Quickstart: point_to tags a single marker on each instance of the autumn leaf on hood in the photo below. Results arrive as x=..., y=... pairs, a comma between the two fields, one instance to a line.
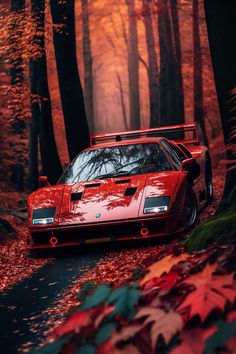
x=211, y=292
x=164, y=323
x=163, y=266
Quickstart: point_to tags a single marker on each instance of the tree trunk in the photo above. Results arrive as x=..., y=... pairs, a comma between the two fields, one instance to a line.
x=220, y=19
x=16, y=69
x=33, y=134
x=153, y=75
x=168, y=94
x=76, y=126
x=178, y=59
x=88, y=66
x=16, y=64
x=197, y=73
x=122, y=101
x=133, y=67
x=49, y=155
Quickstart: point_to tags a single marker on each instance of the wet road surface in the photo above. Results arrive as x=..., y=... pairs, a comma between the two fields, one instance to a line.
x=23, y=304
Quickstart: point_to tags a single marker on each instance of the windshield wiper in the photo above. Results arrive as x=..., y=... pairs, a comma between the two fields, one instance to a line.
x=113, y=174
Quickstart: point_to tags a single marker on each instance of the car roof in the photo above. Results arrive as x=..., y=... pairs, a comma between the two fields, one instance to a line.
x=124, y=142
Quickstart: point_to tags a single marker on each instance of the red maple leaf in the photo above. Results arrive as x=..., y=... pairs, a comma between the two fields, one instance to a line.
x=164, y=283
x=211, y=292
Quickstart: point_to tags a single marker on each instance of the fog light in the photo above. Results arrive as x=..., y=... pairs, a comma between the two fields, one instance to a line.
x=53, y=241
x=144, y=231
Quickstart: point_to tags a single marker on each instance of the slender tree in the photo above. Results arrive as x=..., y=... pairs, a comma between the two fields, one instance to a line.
x=153, y=75
x=133, y=66
x=88, y=66
x=168, y=92
x=76, y=126
x=122, y=100
x=197, y=73
x=178, y=61
x=220, y=19
x=33, y=133
x=49, y=156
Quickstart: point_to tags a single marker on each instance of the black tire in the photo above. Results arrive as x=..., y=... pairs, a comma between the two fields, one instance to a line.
x=190, y=211
x=208, y=180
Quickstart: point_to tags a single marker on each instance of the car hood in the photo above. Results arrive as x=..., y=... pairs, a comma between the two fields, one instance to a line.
x=113, y=198
x=103, y=200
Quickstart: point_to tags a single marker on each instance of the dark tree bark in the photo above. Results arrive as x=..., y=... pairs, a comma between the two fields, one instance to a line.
x=221, y=26
x=88, y=66
x=153, y=75
x=76, y=126
x=33, y=133
x=16, y=69
x=16, y=63
x=133, y=67
x=197, y=73
x=178, y=60
x=168, y=93
x=49, y=155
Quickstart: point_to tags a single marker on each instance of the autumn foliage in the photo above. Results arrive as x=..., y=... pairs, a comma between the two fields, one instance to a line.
x=185, y=303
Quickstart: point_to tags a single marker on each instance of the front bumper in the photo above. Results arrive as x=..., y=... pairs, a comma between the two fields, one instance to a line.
x=129, y=229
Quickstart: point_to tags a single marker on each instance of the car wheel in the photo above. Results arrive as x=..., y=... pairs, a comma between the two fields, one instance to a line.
x=208, y=180
x=190, y=207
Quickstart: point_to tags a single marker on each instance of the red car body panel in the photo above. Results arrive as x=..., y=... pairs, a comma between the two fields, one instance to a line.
x=104, y=210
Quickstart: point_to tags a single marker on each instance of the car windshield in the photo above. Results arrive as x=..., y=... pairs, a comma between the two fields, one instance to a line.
x=124, y=160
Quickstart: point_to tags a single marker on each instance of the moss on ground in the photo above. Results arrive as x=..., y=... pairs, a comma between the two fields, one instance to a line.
x=222, y=228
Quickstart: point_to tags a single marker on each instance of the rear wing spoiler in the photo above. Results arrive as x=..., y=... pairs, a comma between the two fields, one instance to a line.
x=182, y=133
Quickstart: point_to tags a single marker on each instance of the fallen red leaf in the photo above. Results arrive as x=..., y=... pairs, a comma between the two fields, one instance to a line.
x=163, y=266
x=211, y=292
x=77, y=321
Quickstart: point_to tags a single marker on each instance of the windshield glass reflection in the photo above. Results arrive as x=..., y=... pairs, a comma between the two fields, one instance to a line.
x=125, y=160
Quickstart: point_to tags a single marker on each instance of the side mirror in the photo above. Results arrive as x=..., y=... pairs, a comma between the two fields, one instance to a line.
x=192, y=167
x=44, y=180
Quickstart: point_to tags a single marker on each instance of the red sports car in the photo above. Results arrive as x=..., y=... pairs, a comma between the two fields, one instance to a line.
x=130, y=185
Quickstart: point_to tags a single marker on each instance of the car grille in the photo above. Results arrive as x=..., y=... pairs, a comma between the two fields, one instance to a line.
x=116, y=231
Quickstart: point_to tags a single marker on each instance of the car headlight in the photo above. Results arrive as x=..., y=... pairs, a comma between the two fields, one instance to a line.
x=156, y=204
x=43, y=216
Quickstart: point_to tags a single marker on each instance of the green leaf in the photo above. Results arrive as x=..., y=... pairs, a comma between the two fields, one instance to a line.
x=124, y=299
x=105, y=333
x=218, y=339
x=86, y=288
x=86, y=349
x=100, y=295
x=51, y=348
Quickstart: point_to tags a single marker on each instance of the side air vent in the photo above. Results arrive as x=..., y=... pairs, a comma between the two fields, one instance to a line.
x=92, y=185
x=122, y=181
x=76, y=196
x=130, y=191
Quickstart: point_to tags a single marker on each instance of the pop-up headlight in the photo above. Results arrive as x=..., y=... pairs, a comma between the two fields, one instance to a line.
x=43, y=216
x=156, y=205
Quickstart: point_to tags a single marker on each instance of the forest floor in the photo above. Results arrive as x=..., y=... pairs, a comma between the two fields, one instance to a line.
x=14, y=261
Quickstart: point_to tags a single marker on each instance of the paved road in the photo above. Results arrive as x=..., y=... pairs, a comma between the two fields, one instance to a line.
x=22, y=306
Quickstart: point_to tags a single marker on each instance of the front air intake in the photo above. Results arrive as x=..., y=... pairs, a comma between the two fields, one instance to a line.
x=76, y=196
x=130, y=191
